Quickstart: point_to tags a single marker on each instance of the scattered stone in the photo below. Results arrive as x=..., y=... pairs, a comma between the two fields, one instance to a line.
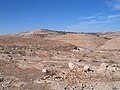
x=39, y=81
x=112, y=69
x=19, y=84
x=46, y=77
x=62, y=61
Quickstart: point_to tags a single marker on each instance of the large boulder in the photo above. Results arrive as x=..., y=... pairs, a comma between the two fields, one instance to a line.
x=71, y=65
x=103, y=67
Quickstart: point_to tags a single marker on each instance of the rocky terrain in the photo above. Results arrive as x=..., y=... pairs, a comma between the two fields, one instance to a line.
x=54, y=60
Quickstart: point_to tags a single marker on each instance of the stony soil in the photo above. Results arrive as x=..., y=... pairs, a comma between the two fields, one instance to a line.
x=52, y=60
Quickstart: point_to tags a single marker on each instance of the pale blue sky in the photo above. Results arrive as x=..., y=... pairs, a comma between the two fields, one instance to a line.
x=66, y=15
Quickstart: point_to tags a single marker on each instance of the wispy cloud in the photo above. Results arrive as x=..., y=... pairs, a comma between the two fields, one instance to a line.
x=99, y=17
x=99, y=22
x=114, y=16
x=96, y=23
x=115, y=4
x=89, y=17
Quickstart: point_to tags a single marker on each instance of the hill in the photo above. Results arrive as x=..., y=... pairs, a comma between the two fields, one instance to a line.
x=55, y=60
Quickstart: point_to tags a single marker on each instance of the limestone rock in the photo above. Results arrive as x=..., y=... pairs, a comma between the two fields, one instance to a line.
x=71, y=65
x=86, y=68
x=44, y=70
x=103, y=67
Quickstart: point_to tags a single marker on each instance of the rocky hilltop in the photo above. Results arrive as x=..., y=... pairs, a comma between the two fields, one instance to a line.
x=55, y=60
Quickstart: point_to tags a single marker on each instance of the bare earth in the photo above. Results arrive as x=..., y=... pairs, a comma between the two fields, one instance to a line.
x=52, y=60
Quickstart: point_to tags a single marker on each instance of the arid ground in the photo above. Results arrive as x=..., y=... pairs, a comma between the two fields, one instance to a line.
x=55, y=60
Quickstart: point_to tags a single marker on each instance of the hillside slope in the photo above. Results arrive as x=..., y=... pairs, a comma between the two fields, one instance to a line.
x=53, y=60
